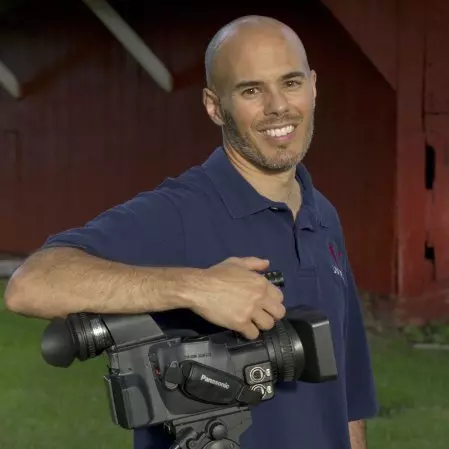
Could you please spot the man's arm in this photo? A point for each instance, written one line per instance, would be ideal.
(127, 260)
(58, 281)
(357, 433)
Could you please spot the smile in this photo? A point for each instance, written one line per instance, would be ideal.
(283, 132)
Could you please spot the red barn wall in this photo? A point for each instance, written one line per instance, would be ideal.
(94, 129)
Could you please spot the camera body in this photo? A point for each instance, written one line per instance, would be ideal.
(158, 378)
(178, 376)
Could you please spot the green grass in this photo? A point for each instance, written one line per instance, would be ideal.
(413, 392)
(43, 407)
(48, 408)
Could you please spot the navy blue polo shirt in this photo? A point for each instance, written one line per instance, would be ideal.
(210, 213)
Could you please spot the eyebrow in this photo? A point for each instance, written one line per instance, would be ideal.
(254, 83)
(296, 74)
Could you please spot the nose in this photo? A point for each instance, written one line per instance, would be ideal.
(276, 103)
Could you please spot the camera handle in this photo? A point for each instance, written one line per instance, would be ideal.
(215, 430)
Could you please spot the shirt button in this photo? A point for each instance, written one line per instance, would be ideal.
(274, 208)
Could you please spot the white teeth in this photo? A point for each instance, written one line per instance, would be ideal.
(279, 132)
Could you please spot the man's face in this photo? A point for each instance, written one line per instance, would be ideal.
(266, 101)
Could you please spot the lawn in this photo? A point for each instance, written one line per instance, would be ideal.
(43, 407)
(48, 408)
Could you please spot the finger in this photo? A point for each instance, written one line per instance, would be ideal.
(275, 310)
(251, 263)
(275, 293)
(263, 320)
(250, 331)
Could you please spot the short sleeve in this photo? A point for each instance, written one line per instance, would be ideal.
(359, 378)
(360, 387)
(147, 230)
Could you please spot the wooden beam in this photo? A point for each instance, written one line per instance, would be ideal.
(372, 24)
(132, 42)
(9, 81)
(414, 270)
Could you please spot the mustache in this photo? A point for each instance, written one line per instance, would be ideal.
(280, 121)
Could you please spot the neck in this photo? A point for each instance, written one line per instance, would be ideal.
(276, 186)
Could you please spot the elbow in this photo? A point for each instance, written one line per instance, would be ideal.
(29, 291)
(15, 296)
(21, 295)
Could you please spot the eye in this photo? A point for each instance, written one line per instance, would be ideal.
(292, 84)
(250, 92)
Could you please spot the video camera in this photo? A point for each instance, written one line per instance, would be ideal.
(199, 387)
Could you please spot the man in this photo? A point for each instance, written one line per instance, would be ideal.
(194, 248)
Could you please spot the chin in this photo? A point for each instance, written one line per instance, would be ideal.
(282, 154)
(279, 162)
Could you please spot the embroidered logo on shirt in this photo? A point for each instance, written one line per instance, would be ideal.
(336, 265)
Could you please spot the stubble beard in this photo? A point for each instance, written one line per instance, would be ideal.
(282, 160)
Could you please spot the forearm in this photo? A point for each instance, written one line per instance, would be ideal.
(59, 281)
(357, 433)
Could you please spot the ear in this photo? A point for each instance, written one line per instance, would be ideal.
(212, 105)
(313, 77)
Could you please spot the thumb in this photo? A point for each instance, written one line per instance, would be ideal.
(251, 263)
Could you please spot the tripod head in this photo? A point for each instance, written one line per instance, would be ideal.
(222, 431)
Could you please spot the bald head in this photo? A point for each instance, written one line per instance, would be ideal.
(246, 30)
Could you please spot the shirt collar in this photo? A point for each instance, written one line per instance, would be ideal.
(242, 199)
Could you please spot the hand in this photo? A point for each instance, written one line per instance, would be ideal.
(233, 295)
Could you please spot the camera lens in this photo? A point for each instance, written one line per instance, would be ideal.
(285, 351)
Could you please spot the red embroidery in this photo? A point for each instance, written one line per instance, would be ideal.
(334, 256)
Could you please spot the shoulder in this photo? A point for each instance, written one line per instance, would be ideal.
(147, 228)
(163, 204)
(190, 189)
